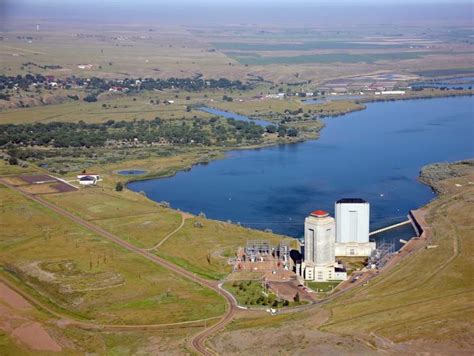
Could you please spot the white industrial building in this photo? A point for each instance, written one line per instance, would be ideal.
(352, 228)
(319, 249)
(88, 179)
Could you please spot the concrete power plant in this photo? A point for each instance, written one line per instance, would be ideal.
(319, 252)
(319, 235)
(352, 228)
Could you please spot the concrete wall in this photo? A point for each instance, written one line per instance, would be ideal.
(352, 222)
(355, 249)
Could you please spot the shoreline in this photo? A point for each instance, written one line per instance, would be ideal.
(223, 151)
(224, 154)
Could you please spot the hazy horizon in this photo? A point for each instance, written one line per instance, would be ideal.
(304, 12)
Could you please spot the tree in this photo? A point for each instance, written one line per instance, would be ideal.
(296, 299)
(271, 129)
(90, 98)
(281, 131)
(292, 132)
(13, 161)
(119, 187)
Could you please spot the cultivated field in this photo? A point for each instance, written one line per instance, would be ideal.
(276, 54)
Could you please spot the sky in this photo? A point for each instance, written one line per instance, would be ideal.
(334, 12)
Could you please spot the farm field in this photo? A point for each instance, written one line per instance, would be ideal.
(117, 107)
(234, 52)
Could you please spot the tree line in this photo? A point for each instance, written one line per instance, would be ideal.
(214, 131)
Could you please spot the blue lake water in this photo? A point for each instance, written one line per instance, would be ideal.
(131, 172)
(231, 115)
(374, 154)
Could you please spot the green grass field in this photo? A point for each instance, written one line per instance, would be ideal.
(270, 107)
(117, 107)
(369, 58)
(323, 286)
(205, 250)
(88, 277)
(251, 293)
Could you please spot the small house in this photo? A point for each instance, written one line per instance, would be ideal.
(88, 179)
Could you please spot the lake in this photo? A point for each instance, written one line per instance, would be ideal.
(231, 115)
(131, 172)
(374, 154)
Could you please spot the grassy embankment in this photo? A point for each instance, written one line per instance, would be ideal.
(323, 287)
(89, 278)
(425, 302)
(430, 294)
(85, 277)
(138, 220)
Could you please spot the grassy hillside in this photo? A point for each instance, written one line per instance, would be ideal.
(424, 304)
(84, 275)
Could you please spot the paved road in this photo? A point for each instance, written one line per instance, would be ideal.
(198, 341)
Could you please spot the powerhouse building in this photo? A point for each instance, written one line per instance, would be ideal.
(319, 249)
(352, 228)
(319, 236)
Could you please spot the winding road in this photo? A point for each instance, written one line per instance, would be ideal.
(198, 343)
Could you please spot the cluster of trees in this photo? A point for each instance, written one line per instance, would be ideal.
(45, 67)
(94, 83)
(180, 132)
(282, 130)
(19, 81)
(187, 84)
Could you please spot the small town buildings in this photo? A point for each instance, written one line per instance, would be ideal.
(85, 66)
(393, 92)
(275, 96)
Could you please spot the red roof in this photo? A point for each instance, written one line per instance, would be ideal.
(319, 213)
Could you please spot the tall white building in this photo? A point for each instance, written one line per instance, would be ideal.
(352, 228)
(319, 247)
(319, 237)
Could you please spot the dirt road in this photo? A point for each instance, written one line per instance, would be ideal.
(198, 342)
